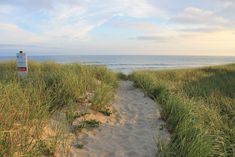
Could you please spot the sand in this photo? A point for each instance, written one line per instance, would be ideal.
(133, 132)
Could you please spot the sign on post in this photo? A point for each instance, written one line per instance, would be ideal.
(22, 64)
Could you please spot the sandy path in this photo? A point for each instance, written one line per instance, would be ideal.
(133, 134)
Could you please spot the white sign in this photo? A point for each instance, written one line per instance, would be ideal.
(22, 64)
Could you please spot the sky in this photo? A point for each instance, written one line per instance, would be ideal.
(118, 27)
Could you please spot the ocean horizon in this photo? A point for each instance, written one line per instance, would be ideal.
(129, 63)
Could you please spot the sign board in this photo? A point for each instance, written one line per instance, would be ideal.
(22, 63)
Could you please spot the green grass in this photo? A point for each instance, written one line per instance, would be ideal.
(27, 104)
(88, 124)
(198, 106)
(79, 146)
(106, 112)
(122, 76)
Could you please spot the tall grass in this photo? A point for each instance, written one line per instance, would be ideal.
(26, 104)
(198, 106)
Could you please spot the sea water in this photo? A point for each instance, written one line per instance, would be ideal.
(129, 63)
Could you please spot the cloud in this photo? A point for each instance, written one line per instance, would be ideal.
(200, 29)
(222, 1)
(77, 24)
(5, 9)
(138, 8)
(67, 24)
(151, 38)
(89, 15)
(17, 46)
(31, 5)
(134, 8)
(195, 20)
(12, 34)
(76, 19)
(225, 8)
(196, 16)
(228, 10)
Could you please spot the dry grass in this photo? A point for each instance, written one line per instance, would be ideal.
(198, 106)
(27, 104)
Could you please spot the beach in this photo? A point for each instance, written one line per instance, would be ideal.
(117, 78)
(86, 110)
(133, 133)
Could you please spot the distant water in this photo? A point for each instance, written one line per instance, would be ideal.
(129, 63)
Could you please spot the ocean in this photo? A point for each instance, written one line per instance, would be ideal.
(129, 63)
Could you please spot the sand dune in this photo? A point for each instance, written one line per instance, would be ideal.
(133, 133)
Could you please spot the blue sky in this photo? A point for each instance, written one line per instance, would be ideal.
(138, 27)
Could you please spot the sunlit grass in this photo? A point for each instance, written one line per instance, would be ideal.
(198, 106)
(26, 104)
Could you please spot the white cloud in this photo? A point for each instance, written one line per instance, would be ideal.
(195, 20)
(228, 10)
(12, 34)
(154, 38)
(31, 5)
(69, 25)
(196, 16)
(75, 19)
(87, 15)
(149, 31)
(6, 9)
(138, 8)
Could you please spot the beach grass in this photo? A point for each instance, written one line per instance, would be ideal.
(199, 107)
(27, 104)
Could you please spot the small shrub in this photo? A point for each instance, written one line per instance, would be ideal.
(105, 112)
(89, 124)
(79, 146)
(122, 76)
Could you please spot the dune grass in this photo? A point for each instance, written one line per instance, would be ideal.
(26, 104)
(198, 106)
